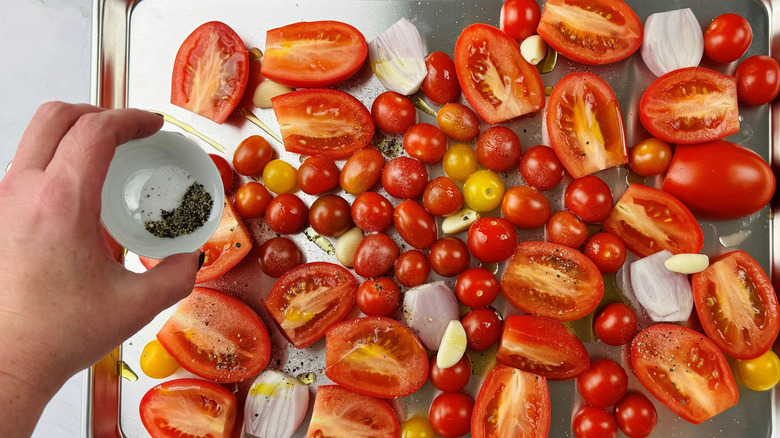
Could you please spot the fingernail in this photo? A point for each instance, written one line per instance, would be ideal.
(201, 259)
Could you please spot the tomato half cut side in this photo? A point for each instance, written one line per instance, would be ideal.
(323, 121)
(375, 356)
(339, 412)
(217, 337)
(737, 305)
(586, 125)
(649, 220)
(591, 32)
(313, 54)
(552, 280)
(493, 75)
(307, 300)
(690, 105)
(210, 72)
(189, 407)
(229, 244)
(684, 370)
(511, 403)
(543, 346)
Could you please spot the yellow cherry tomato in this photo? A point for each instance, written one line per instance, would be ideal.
(156, 362)
(459, 161)
(280, 177)
(761, 373)
(483, 191)
(417, 427)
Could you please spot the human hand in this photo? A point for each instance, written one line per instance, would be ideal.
(65, 301)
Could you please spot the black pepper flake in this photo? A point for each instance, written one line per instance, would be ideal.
(186, 218)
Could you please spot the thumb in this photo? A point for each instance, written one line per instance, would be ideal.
(168, 282)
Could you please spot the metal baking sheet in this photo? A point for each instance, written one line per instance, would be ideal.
(135, 43)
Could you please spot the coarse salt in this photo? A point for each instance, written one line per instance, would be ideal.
(163, 191)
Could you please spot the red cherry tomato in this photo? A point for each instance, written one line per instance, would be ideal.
(378, 297)
(251, 200)
(441, 83)
(330, 215)
(375, 255)
(318, 174)
(452, 379)
(225, 171)
(616, 324)
(415, 225)
(425, 142)
(607, 251)
(286, 214)
(279, 255)
(404, 178)
(727, 38)
(636, 416)
(483, 328)
(458, 121)
(449, 256)
(590, 198)
(603, 384)
(591, 422)
(758, 80)
(650, 157)
(492, 239)
(362, 171)
(450, 414)
(393, 113)
(252, 155)
(541, 168)
(412, 268)
(372, 212)
(525, 207)
(565, 228)
(476, 287)
(519, 18)
(499, 149)
(442, 197)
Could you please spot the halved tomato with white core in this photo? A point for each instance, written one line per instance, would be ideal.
(552, 280)
(586, 125)
(339, 412)
(684, 370)
(649, 220)
(189, 407)
(217, 337)
(375, 356)
(511, 403)
(310, 298)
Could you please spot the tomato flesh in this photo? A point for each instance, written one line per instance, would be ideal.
(339, 412)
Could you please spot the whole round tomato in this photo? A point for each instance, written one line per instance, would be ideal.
(476, 287)
(279, 255)
(404, 178)
(758, 80)
(330, 215)
(603, 384)
(393, 113)
(590, 198)
(492, 239)
(225, 171)
(452, 379)
(591, 422)
(158, 364)
(372, 212)
(727, 38)
(378, 297)
(483, 191)
(525, 207)
(318, 174)
(425, 142)
(449, 256)
(499, 149)
(483, 328)
(412, 268)
(417, 427)
(286, 214)
(375, 255)
(415, 225)
(650, 157)
(761, 373)
(362, 171)
(519, 18)
(458, 121)
(541, 168)
(280, 177)
(636, 415)
(450, 414)
(607, 251)
(442, 197)
(616, 324)
(459, 161)
(252, 155)
(565, 228)
(441, 83)
(251, 200)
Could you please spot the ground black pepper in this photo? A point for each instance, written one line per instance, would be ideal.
(190, 215)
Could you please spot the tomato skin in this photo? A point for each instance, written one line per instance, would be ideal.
(565, 228)
(489, 51)
(440, 84)
(156, 362)
(375, 255)
(492, 239)
(541, 168)
(458, 121)
(252, 155)
(452, 379)
(690, 105)
(412, 268)
(663, 357)
(372, 212)
(449, 256)
(340, 412)
(525, 207)
(592, 422)
(393, 113)
(520, 18)
(210, 72)
(759, 374)
(650, 157)
(280, 177)
(586, 124)
(286, 214)
(636, 416)
(378, 297)
(251, 200)
(499, 149)
(318, 174)
(313, 54)
(279, 255)
(459, 161)
(758, 80)
(712, 180)
(417, 427)
(415, 225)
(425, 142)
(607, 251)
(590, 198)
(483, 328)
(737, 305)
(476, 287)
(450, 414)
(727, 38)
(330, 215)
(483, 190)
(603, 384)
(442, 197)
(616, 324)
(613, 30)
(404, 178)
(362, 171)
(225, 171)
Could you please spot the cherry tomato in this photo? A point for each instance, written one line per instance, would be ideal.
(449, 256)
(519, 18)
(378, 297)
(541, 168)
(459, 161)
(492, 239)
(590, 198)
(318, 174)
(252, 155)
(404, 178)
(458, 121)
(442, 197)
(441, 83)
(372, 212)
(330, 215)
(483, 191)
(483, 328)
(375, 255)
(452, 379)
(727, 38)
(603, 384)
(476, 287)
(499, 149)
(415, 225)
(251, 200)
(758, 374)
(425, 142)
(286, 214)
(591, 422)
(280, 177)
(758, 80)
(157, 363)
(616, 324)
(525, 207)
(362, 171)
(607, 251)
(225, 171)
(393, 113)
(412, 268)
(279, 255)
(450, 414)
(565, 228)
(417, 427)
(636, 415)
(650, 157)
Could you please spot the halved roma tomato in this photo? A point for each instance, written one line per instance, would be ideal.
(313, 54)
(592, 32)
(375, 356)
(649, 220)
(339, 412)
(543, 346)
(217, 337)
(552, 280)
(690, 105)
(229, 244)
(737, 305)
(684, 370)
(511, 403)
(210, 72)
(310, 298)
(495, 78)
(586, 125)
(323, 121)
(189, 407)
